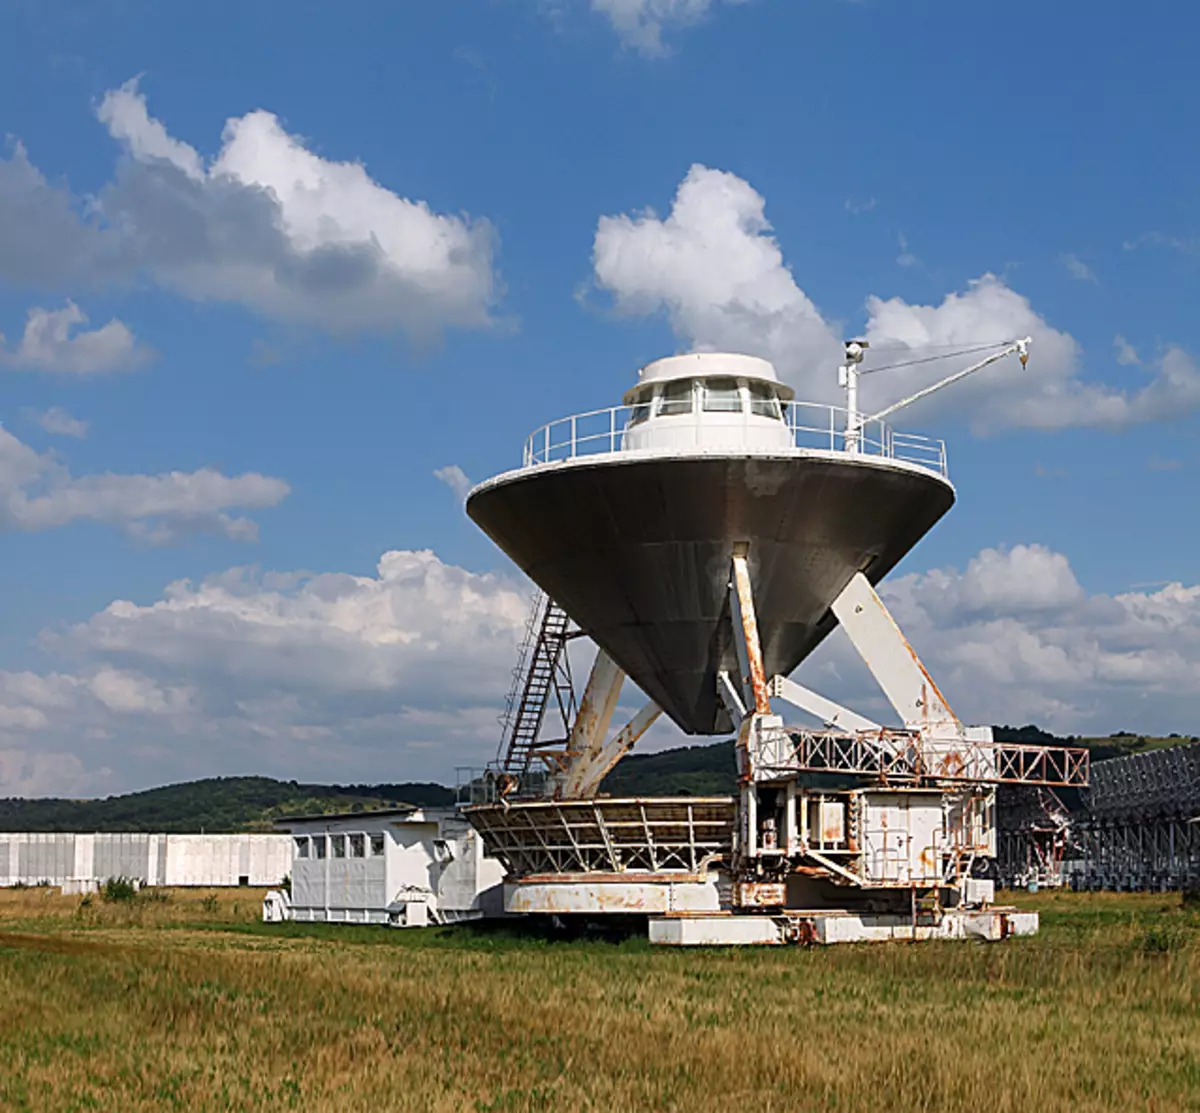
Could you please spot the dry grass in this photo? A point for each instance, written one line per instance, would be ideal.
(186, 1004)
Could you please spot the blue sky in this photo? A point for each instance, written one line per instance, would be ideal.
(462, 220)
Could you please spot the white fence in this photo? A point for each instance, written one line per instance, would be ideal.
(811, 424)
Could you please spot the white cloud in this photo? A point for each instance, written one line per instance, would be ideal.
(857, 208)
(38, 492)
(58, 421)
(268, 224)
(1184, 245)
(396, 676)
(130, 692)
(719, 274)
(454, 478)
(48, 345)
(400, 675)
(1077, 268)
(1014, 639)
(41, 773)
(641, 23)
(715, 269)
(1126, 353)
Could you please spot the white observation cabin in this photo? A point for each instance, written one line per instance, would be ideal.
(708, 400)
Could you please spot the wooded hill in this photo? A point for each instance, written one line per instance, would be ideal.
(228, 804)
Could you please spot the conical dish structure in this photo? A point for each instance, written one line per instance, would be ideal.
(635, 541)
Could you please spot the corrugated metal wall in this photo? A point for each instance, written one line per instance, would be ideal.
(200, 860)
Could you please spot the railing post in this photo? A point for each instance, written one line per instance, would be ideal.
(572, 436)
(612, 429)
(832, 429)
(547, 460)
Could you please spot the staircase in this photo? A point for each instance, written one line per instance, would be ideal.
(538, 674)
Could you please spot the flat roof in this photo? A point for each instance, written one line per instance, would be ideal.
(373, 813)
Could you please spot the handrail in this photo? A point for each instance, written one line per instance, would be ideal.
(813, 425)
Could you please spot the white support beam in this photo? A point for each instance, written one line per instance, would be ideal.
(830, 713)
(583, 780)
(595, 713)
(885, 650)
(730, 695)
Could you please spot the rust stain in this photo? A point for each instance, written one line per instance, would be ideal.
(758, 677)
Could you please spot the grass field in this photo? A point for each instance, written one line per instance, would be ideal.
(188, 1004)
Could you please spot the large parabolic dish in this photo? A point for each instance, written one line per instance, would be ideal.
(632, 531)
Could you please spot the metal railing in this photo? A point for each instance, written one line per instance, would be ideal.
(812, 425)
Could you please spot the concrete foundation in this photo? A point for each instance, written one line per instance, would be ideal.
(725, 930)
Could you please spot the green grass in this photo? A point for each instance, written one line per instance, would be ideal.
(189, 1004)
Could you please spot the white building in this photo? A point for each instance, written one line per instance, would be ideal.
(83, 862)
(403, 866)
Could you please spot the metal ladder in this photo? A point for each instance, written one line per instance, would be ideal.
(542, 669)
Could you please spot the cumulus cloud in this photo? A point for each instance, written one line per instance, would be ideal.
(716, 271)
(50, 343)
(454, 478)
(714, 268)
(401, 674)
(1124, 352)
(391, 676)
(58, 421)
(641, 23)
(38, 492)
(267, 223)
(1014, 637)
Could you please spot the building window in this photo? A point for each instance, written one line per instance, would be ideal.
(722, 396)
(764, 402)
(676, 398)
(318, 843)
(358, 846)
(301, 846)
(337, 846)
(376, 846)
(641, 412)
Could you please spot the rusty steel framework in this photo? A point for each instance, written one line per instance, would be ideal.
(901, 757)
(707, 550)
(1136, 827)
(918, 817)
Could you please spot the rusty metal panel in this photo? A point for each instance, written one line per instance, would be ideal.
(760, 894)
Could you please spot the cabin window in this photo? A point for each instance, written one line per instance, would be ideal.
(676, 398)
(318, 846)
(338, 846)
(641, 412)
(722, 396)
(376, 846)
(358, 846)
(301, 846)
(764, 402)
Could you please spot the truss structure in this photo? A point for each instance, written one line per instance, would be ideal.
(681, 835)
(1136, 827)
(908, 757)
(1160, 783)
